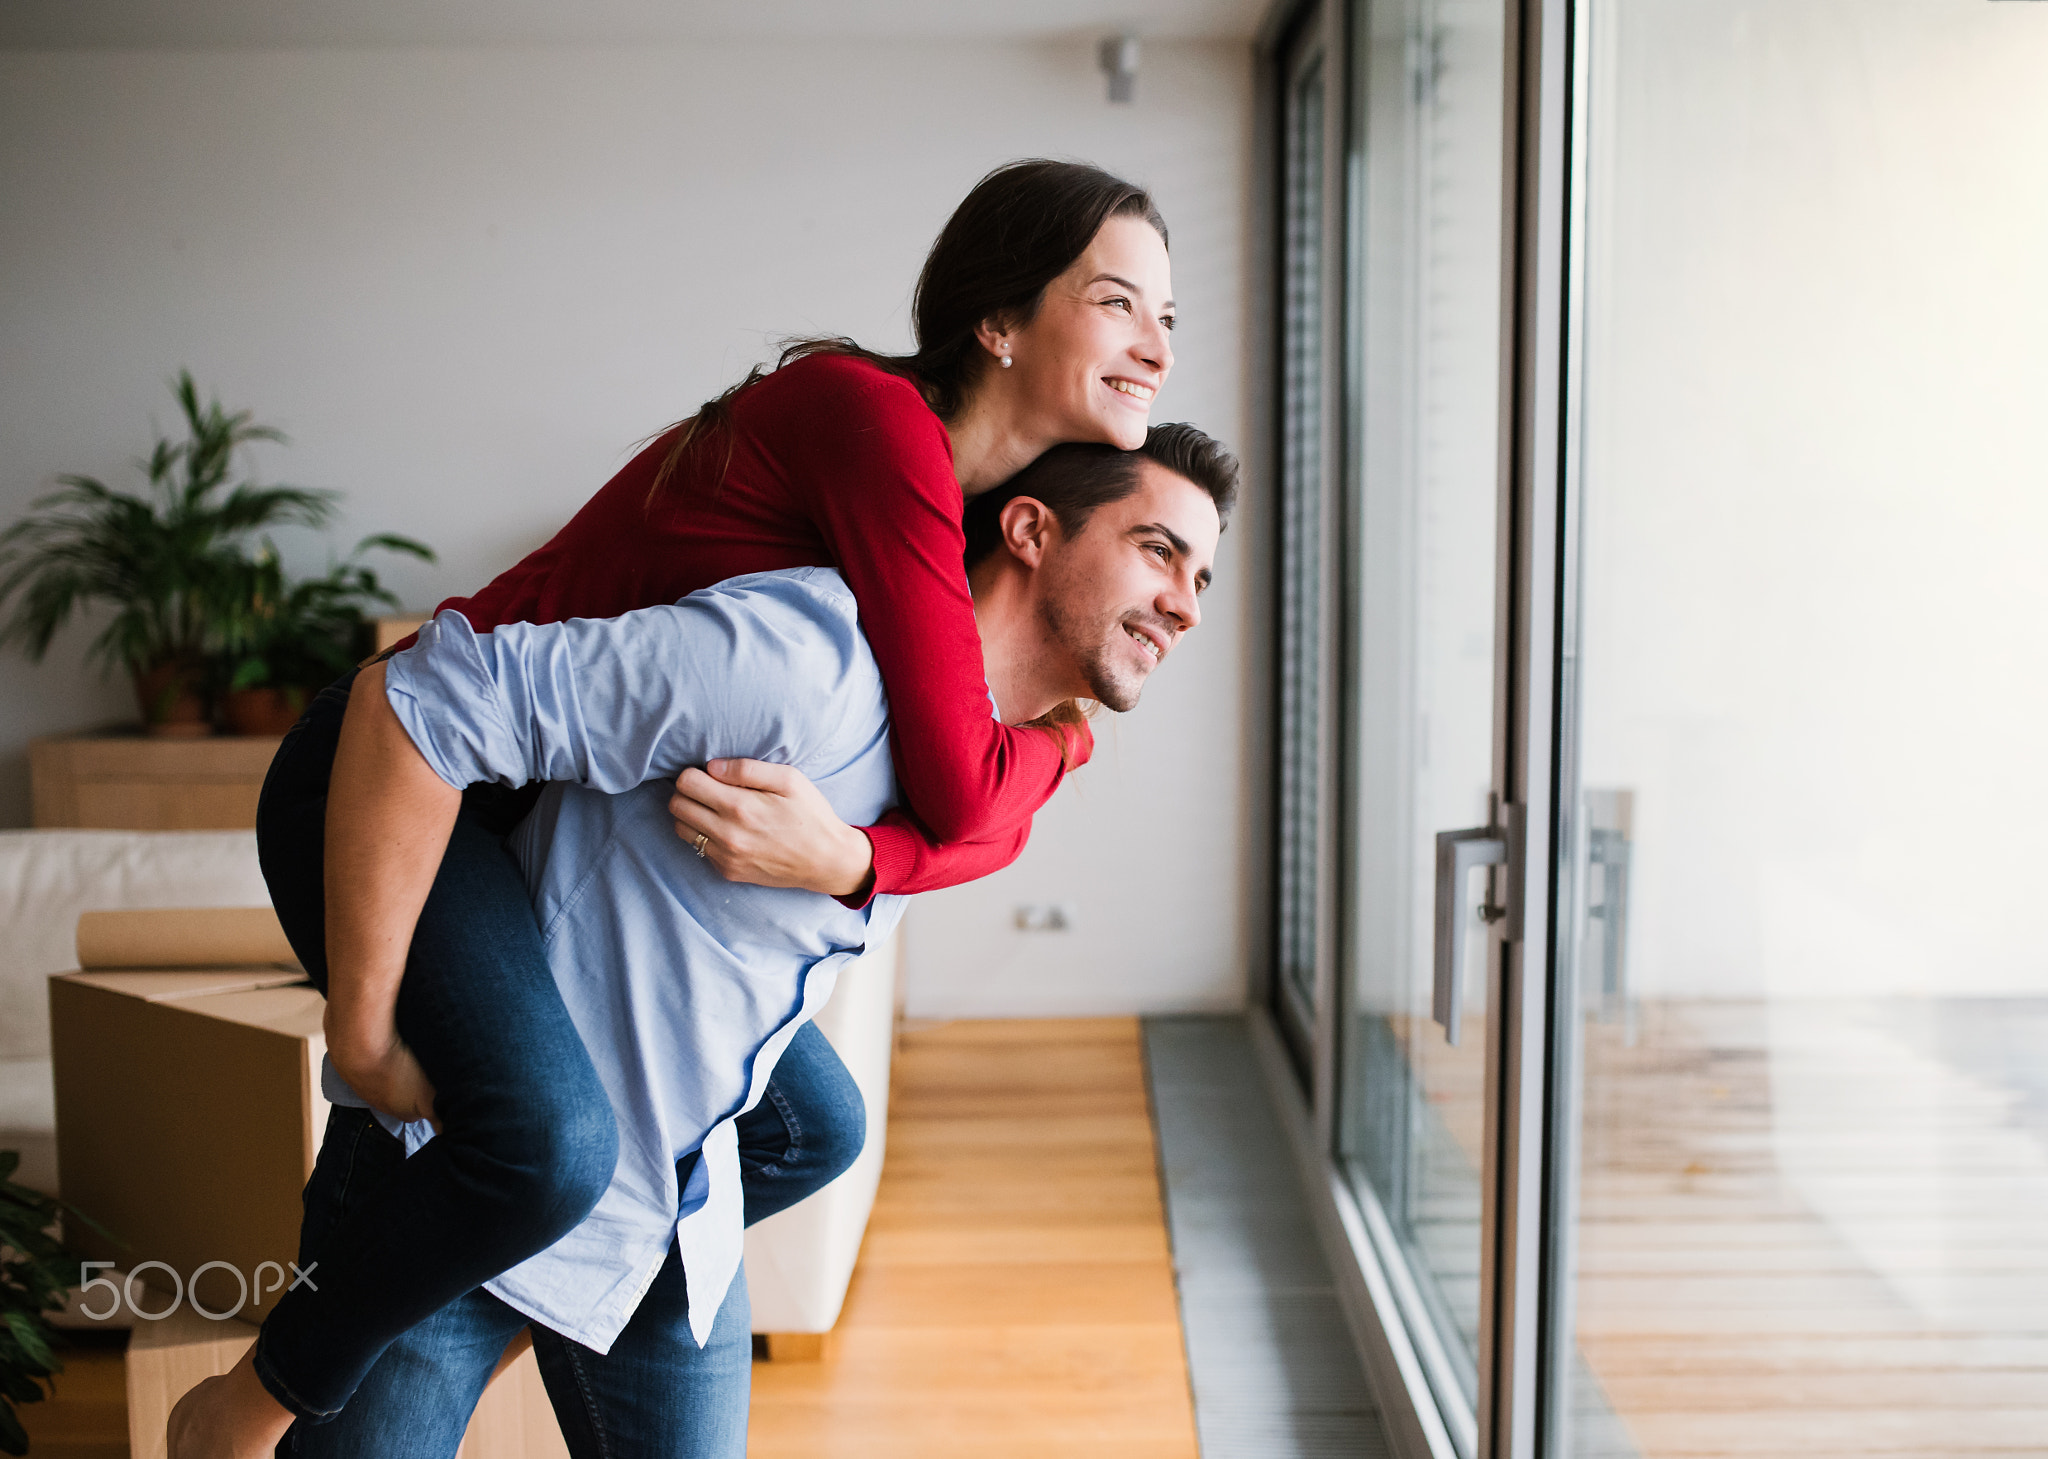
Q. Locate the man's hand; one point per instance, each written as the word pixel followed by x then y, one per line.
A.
pixel 768 826
pixel 386 1074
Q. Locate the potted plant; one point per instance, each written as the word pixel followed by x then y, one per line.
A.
pixel 35 1273
pixel 164 561
pixel 282 640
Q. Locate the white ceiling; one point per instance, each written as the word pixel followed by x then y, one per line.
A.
pixel 211 23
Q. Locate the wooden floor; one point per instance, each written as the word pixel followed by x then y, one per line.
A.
pixel 1015 1294
pixel 87 1417
pixel 1811 1229
pixel 1816 1230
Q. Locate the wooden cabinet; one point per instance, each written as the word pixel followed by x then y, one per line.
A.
pixel 122 780
pixel 128 782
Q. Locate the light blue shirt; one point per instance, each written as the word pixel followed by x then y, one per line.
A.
pixel 685 987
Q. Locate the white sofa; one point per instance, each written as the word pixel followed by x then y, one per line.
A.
pixel 798 1263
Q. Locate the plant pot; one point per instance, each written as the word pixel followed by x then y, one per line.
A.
pixel 266 711
pixel 173 701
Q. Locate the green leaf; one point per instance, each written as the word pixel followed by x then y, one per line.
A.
pixel 17 1381
pixel 392 542
pixel 36 1271
pixel 22 1390
pixel 13 1437
pixel 34 1346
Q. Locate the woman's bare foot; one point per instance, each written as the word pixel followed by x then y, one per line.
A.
pixel 229 1417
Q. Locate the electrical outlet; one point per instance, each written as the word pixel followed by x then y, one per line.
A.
pixel 1045 916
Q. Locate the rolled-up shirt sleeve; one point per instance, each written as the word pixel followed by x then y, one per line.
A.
pixel 610 703
pixel 443 693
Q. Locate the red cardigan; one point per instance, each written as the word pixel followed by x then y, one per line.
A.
pixel 834 463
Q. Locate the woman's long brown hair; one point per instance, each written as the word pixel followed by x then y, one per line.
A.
pixel 1020 228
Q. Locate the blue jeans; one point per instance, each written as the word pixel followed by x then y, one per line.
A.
pixel 527 1142
pixel 655 1395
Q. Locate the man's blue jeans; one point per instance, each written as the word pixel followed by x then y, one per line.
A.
pixel 527 1141
pixel 656 1394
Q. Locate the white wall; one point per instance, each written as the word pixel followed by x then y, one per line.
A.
pixel 465 282
pixel 1816 638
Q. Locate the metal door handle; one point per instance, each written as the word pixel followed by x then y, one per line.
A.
pixel 1457 853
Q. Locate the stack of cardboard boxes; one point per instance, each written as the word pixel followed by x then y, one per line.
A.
pixel 187 1054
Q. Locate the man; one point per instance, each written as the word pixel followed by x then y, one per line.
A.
pixel 1085 570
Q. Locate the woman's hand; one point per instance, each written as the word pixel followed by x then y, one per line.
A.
pixel 768 826
pixel 385 1073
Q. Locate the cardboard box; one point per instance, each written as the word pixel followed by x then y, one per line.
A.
pixel 188 1116
pixel 125 781
pixel 166 1360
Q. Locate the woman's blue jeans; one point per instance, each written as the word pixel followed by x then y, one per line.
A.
pixel 527 1141
pixel 654 1395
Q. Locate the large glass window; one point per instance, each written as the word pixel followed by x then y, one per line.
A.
pixel 1422 669
pixel 1809 1089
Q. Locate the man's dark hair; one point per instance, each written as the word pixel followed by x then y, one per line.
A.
pixel 1073 480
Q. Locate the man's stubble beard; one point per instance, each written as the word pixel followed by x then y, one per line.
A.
pixel 1110 684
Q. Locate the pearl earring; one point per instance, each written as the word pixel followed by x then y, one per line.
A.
pixel 1007 362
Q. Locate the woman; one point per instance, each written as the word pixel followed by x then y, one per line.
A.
pixel 1041 317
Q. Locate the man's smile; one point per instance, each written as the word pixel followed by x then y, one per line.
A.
pixel 1151 640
